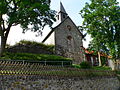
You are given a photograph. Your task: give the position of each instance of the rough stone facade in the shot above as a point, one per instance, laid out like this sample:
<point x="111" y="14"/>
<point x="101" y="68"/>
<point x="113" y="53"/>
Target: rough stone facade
<point x="68" y="41"/>
<point x="57" y="83"/>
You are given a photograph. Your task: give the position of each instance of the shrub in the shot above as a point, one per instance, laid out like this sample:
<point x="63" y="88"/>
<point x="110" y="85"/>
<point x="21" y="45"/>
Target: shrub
<point x="101" y="68"/>
<point x="75" y="66"/>
<point x="85" y="65"/>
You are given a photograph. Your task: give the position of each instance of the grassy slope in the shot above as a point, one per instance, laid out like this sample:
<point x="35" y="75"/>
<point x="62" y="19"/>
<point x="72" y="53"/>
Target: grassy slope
<point x="30" y="56"/>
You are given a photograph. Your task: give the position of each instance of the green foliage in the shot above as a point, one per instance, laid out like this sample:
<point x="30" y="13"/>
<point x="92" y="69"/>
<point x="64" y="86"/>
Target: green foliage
<point x="29" y="57"/>
<point x="76" y="66"/>
<point x="37" y="57"/>
<point x="118" y="74"/>
<point x="101" y="68"/>
<point x="102" y="21"/>
<point x="32" y="15"/>
<point x="85" y="65"/>
<point x="26" y="42"/>
<point x="33" y="12"/>
<point x="104" y="60"/>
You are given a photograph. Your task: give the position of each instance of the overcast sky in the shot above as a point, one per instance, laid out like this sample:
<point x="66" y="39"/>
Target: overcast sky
<point x="72" y="7"/>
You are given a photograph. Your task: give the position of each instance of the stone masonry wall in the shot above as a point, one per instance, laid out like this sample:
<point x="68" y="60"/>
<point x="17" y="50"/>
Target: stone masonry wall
<point x="36" y="49"/>
<point x="9" y="82"/>
<point x="68" y="42"/>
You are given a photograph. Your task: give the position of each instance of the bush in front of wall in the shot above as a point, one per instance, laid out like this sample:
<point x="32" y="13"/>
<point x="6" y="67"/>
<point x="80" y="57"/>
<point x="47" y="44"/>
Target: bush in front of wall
<point x="85" y="65"/>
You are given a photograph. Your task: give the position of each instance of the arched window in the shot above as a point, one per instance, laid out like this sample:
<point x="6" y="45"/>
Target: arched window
<point x="63" y="16"/>
<point x="69" y="27"/>
<point x="69" y="37"/>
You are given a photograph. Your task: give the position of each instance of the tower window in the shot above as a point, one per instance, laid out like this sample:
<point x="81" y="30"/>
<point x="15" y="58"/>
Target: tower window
<point x="63" y="16"/>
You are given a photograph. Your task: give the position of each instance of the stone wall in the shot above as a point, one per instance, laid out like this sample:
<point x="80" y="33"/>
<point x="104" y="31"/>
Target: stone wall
<point x="9" y="82"/>
<point x="36" y="49"/>
<point x="33" y="76"/>
<point x="68" y="41"/>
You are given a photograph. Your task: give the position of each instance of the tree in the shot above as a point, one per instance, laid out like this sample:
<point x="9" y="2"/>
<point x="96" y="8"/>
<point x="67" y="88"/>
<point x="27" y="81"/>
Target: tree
<point x="30" y="14"/>
<point x="102" y="22"/>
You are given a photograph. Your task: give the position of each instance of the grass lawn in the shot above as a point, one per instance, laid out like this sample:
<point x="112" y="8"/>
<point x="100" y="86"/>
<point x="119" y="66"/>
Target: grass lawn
<point x="30" y="56"/>
<point x="101" y="68"/>
<point x="41" y="58"/>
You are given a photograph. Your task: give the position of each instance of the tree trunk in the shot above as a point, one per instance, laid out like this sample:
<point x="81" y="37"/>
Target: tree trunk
<point x="4" y="37"/>
<point x="4" y="34"/>
<point x="3" y="43"/>
<point x="2" y="46"/>
<point x="100" y="64"/>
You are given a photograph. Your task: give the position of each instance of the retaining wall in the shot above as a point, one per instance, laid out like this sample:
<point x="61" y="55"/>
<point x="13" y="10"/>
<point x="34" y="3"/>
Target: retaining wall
<point x="9" y="82"/>
<point x="33" y="76"/>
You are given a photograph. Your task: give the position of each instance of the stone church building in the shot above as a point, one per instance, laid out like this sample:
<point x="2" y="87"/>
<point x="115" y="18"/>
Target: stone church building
<point x="67" y="37"/>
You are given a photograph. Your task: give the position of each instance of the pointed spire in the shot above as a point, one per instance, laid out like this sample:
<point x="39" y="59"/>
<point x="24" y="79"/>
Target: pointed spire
<point x="61" y="14"/>
<point x="62" y="8"/>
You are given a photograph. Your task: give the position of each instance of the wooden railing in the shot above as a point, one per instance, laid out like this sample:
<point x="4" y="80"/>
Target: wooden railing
<point x="56" y="63"/>
<point x="26" y="68"/>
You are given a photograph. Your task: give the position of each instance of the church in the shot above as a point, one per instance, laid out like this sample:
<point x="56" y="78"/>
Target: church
<point x="67" y="38"/>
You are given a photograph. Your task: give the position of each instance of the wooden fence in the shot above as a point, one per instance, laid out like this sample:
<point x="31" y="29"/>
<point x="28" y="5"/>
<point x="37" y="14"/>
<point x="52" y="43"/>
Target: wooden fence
<point x="27" y="68"/>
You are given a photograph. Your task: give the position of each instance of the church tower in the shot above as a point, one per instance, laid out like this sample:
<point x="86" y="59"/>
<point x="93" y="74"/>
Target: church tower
<point x="68" y="38"/>
<point x="61" y="14"/>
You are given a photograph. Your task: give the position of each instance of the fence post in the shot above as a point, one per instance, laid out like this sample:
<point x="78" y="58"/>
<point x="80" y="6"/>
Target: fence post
<point x="45" y="63"/>
<point x="62" y="63"/>
<point x="23" y="62"/>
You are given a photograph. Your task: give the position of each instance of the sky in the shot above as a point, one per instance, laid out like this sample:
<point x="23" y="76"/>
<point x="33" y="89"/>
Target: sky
<point x="72" y="7"/>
